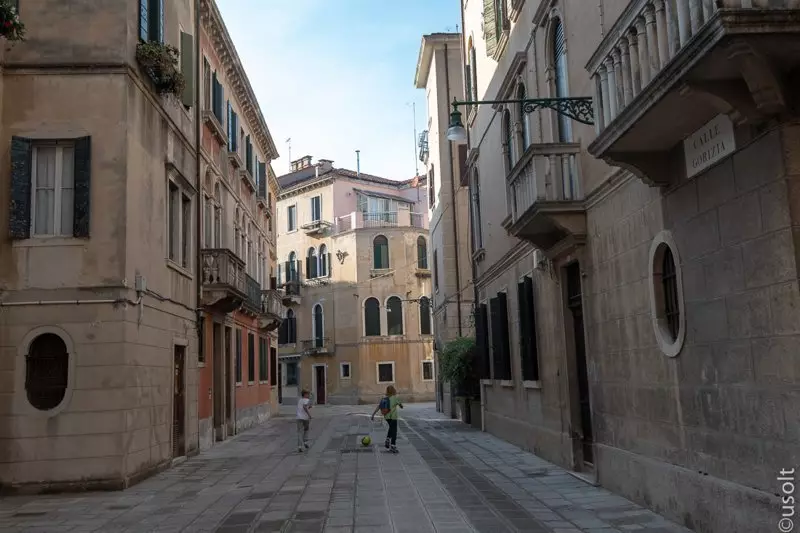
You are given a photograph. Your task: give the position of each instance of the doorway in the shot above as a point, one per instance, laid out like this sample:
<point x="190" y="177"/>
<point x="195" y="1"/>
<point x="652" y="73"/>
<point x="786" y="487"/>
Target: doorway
<point x="227" y="376"/>
<point x="320" y="379"/>
<point x="291" y="381"/>
<point x="218" y="384"/>
<point x="179" y="404"/>
<point x="575" y="306"/>
<point x="280" y="383"/>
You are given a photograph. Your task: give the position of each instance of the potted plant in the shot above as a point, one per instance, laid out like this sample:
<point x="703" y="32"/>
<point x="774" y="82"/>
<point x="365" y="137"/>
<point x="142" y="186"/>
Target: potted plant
<point x="160" y="61"/>
<point x="456" y="366"/>
<point x="10" y="26"/>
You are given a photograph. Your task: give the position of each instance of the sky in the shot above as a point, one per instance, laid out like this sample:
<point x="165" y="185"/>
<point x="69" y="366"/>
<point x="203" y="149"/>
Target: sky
<point x="337" y="76"/>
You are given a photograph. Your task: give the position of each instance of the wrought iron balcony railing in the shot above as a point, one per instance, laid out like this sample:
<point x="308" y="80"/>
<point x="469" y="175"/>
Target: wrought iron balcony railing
<point x="253" y="291"/>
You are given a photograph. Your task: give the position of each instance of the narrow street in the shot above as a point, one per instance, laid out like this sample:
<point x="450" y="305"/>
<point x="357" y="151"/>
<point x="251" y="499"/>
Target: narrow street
<point x="446" y="478"/>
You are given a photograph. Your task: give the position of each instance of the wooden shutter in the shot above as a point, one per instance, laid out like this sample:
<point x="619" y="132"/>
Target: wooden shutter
<point x="273" y="366"/>
<point x="144" y="20"/>
<point x="533" y="346"/>
<point x="187" y="68"/>
<point x="463" y="175"/>
<point x="83" y="189"/>
<point x="494" y="321"/>
<point x="503" y="334"/>
<point x="19" y="223"/>
<point x="329" y="264"/>
<point x="262" y="180"/>
<point x="308" y="267"/>
<point x="524" y="336"/>
<point x="229" y="119"/>
<point x="482" y="341"/>
<point x="489" y="27"/>
<point x="467" y="82"/>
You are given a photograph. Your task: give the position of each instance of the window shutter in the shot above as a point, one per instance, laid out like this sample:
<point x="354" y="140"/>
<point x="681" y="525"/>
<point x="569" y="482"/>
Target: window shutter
<point x="221" y="99"/>
<point x="467" y="82"/>
<point x="144" y="21"/>
<point x="489" y="27"/>
<point x="308" y="267"/>
<point x="503" y="340"/>
<point x="262" y="181"/>
<point x="533" y="348"/>
<point x="161" y="38"/>
<point x="187" y="68"/>
<point x="248" y="154"/>
<point x="19" y="223"/>
<point x="494" y="320"/>
<point x="83" y="189"/>
<point x="280" y="268"/>
<point x="329" y="265"/>
<point x="462" y="165"/>
<point x="524" y="319"/>
<point x="283" y="331"/>
<point x="299" y="271"/>
<point x="230" y="123"/>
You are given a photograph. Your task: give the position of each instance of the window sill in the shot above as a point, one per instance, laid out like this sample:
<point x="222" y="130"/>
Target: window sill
<point x="345" y="379"/>
<point x="428" y="380"/>
<point x="263" y="382"/>
<point x="38" y="242"/>
<point x="486" y="382"/>
<point x="179" y="269"/>
<point x="505" y="383"/>
<point x="535" y="385"/>
<point x="201" y="364"/>
<point x="385" y="382"/>
<point x="479" y="255"/>
<point x="238" y="383"/>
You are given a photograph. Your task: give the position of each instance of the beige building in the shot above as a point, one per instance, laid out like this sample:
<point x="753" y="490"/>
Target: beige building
<point x="353" y="268"/>
<point x="637" y="278"/>
<point x="103" y="215"/>
<point x="439" y="70"/>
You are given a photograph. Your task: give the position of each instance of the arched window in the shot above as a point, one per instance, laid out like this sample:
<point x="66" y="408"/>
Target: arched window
<point x="380" y="252"/>
<point x="372" y="317"/>
<point x="524" y="131"/>
<point x="291" y="267"/>
<point x="560" y="75"/>
<point x="288" y="332"/>
<point x="424" y="316"/>
<point x="323" y="261"/>
<point x="311" y="263"/>
<point x="422" y="253"/>
<point x="46" y="371"/>
<point x="319" y="326"/>
<point x="394" y="316"/>
<point x="508" y="140"/>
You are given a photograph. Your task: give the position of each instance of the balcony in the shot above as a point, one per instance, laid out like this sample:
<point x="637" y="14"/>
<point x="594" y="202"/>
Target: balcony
<point x="215" y="125"/>
<point x="235" y="158"/>
<point x="392" y="219"/>
<point x="271" y="310"/>
<point x="669" y="67"/>
<point x="546" y="199"/>
<point x="223" y="281"/>
<point x="316" y="228"/>
<point x="422" y="272"/>
<point x="252" y="302"/>
<point x="318" y="346"/>
<point x="248" y="177"/>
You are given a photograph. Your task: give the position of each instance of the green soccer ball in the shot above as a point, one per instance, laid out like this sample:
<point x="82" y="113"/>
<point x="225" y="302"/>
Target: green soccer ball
<point x="365" y="441"/>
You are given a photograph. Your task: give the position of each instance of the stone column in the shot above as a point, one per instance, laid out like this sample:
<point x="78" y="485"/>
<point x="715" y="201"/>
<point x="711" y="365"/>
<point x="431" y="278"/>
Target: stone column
<point x="644" y="60"/>
<point x="605" y="96"/>
<point x="653" y="60"/>
<point x="696" y="15"/>
<point x="618" y="83"/>
<point x="636" y="70"/>
<point x="612" y="88"/>
<point x="597" y="104"/>
<point x="662" y="31"/>
<point x="709" y="8"/>
<point x="627" y="82"/>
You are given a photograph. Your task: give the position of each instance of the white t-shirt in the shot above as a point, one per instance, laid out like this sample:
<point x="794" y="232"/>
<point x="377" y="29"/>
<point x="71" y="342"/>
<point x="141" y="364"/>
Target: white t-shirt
<point x="301" y="412"/>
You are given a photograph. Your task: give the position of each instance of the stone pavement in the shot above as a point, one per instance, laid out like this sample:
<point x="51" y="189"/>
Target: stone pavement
<point x="447" y="478"/>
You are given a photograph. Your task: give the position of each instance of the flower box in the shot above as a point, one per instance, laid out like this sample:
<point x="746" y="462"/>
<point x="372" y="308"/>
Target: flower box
<point x="160" y="62"/>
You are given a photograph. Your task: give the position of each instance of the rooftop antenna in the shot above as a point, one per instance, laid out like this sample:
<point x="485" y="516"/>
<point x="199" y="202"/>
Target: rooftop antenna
<point x="289" y="144"/>
<point x="416" y="158"/>
<point x="358" y="163"/>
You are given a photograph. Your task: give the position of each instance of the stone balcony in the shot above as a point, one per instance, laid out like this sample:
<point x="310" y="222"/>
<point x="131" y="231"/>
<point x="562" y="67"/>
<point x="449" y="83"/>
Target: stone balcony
<point x="315" y="228"/>
<point x="223" y="281"/>
<point x="669" y="67"/>
<point x="545" y="198"/>
<point x="390" y="219"/>
<point x="252" y="301"/>
<point x="318" y="346"/>
<point x="215" y="125"/>
<point x="271" y="310"/>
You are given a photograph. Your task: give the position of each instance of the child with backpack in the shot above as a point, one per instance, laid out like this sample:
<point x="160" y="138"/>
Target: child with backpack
<point x="388" y="408"/>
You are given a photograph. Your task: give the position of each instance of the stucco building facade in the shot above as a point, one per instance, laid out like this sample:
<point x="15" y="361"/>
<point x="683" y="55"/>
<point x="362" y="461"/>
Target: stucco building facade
<point x="439" y="73"/>
<point x="637" y="275"/>
<point x="353" y="269"/>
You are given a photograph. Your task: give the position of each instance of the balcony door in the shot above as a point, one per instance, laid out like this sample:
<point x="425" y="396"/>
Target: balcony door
<point x="316" y="209"/>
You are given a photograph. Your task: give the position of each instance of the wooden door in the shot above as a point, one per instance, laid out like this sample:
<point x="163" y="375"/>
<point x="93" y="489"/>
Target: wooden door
<point x="179" y="404"/>
<point x="319" y="382"/>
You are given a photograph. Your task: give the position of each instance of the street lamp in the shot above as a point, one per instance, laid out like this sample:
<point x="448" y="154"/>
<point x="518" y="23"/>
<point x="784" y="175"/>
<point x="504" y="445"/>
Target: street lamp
<point x="578" y="109"/>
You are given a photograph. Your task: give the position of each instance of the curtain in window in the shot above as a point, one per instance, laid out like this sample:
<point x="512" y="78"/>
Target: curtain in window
<point x="372" y="317"/>
<point x="394" y="316"/>
<point x="45" y="190"/>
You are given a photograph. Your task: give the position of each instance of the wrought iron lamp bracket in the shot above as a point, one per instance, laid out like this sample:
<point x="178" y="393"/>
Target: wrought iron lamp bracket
<point x="579" y="109"/>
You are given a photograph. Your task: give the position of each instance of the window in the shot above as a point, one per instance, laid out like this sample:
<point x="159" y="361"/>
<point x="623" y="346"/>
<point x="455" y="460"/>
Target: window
<point x="431" y="187"/>
<point x="667" y="307"/>
<point x="344" y="370"/>
<point x="560" y="69"/>
<point x="324" y="261"/>
<point x="46" y="371"/>
<point x="173" y="223"/>
<point x="394" y="316"/>
<point x="435" y="271"/>
<point x="474" y="72"/>
<point x="380" y="252"/>
<point x="318" y="326"/>
<point x="251" y="357"/>
<point x="50" y="188"/>
<point x="262" y="359"/>
<point x="291" y="218"/>
<point x="311" y="263"/>
<point x="669" y="282"/>
<point x="482" y="341"/>
<point x="151" y="20"/>
<point x="287" y="334"/>
<point x="508" y="141"/>
<point x="217" y="216"/>
<point x="273" y="366"/>
<point x="208" y="86"/>
<point x="495" y="23"/>
<point x="422" y="253"/>
<point x="291" y="374"/>
<point x="529" y="351"/>
<point x="238" y="362"/>
<point x="372" y="317"/>
<point x="424" y="316"/>
<point x="186" y="226"/>
<point x="233" y="126"/>
<point x="385" y="372"/>
<point x="217" y="97"/>
<point x="208" y="229"/>
<point x="316" y="209"/>
<point x="179" y="225"/>
<point x="477" y="232"/>
<point x="525" y="131"/>
<point x="500" y="16"/>
<point x="427" y="371"/>
<point x="501" y="355"/>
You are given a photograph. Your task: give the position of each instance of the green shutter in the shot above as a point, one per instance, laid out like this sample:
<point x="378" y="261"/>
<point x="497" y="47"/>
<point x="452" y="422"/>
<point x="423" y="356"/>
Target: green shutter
<point x="489" y="27"/>
<point x="144" y="21"/>
<point x="187" y="68"/>
<point x="262" y="181"/>
<point x="19" y="223"/>
<point x="83" y="190"/>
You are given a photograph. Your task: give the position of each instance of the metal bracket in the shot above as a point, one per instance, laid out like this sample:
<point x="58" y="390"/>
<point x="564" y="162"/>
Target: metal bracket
<point x="579" y="109"/>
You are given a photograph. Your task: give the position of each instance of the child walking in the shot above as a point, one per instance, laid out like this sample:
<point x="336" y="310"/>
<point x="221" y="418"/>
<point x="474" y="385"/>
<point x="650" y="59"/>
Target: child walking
<point x="388" y="408"/>
<point x="303" y="418"/>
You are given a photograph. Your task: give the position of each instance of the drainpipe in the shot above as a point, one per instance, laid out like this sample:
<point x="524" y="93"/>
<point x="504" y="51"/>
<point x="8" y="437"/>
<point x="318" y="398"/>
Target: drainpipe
<point x="199" y="211"/>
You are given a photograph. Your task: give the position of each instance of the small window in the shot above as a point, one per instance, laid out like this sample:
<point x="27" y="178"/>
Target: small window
<point x="251" y="358"/>
<point x="316" y="209"/>
<point x="291" y="374"/>
<point x="666" y="295"/>
<point x="422" y="253"/>
<point x="291" y="218"/>
<point x="380" y="249"/>
<point x="385" y="372"/>
<point x="46" y="371"/>
<point x="394" y="316"/>
<point x="427" y="371"/>
<point x="53" y="179"/>
<point x="424" y="316"/>
<point x="372" y="317"/>
<point x="669" y="282"/>
<point x="344" y="370"/>
<point x="173" y="222"/>
<point x="186" y="227"/>
<point x="151" y="20"/>
<point x="179" y="225"/>
<point x="435" y="271"/>
<point x="262" y="359"/>
<point x="319" y="326"/>
<point x="431" y="187"/>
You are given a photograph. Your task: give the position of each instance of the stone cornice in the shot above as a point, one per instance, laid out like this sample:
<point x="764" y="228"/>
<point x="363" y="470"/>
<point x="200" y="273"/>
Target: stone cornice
<point x="212" y="21"/>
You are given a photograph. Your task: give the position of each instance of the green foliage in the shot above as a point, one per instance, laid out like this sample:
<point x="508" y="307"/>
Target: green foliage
<point x="10" y="26"/>
<point x="455" y="360"/>
<point x="160" y="61"/>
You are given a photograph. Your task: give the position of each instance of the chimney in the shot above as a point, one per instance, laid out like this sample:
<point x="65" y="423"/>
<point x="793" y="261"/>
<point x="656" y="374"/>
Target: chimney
<point x="300" y="164"/>
<point x="358" y="163"/>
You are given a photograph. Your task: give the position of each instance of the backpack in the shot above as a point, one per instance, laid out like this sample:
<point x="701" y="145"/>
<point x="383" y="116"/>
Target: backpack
<point x="384" y="405"/>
